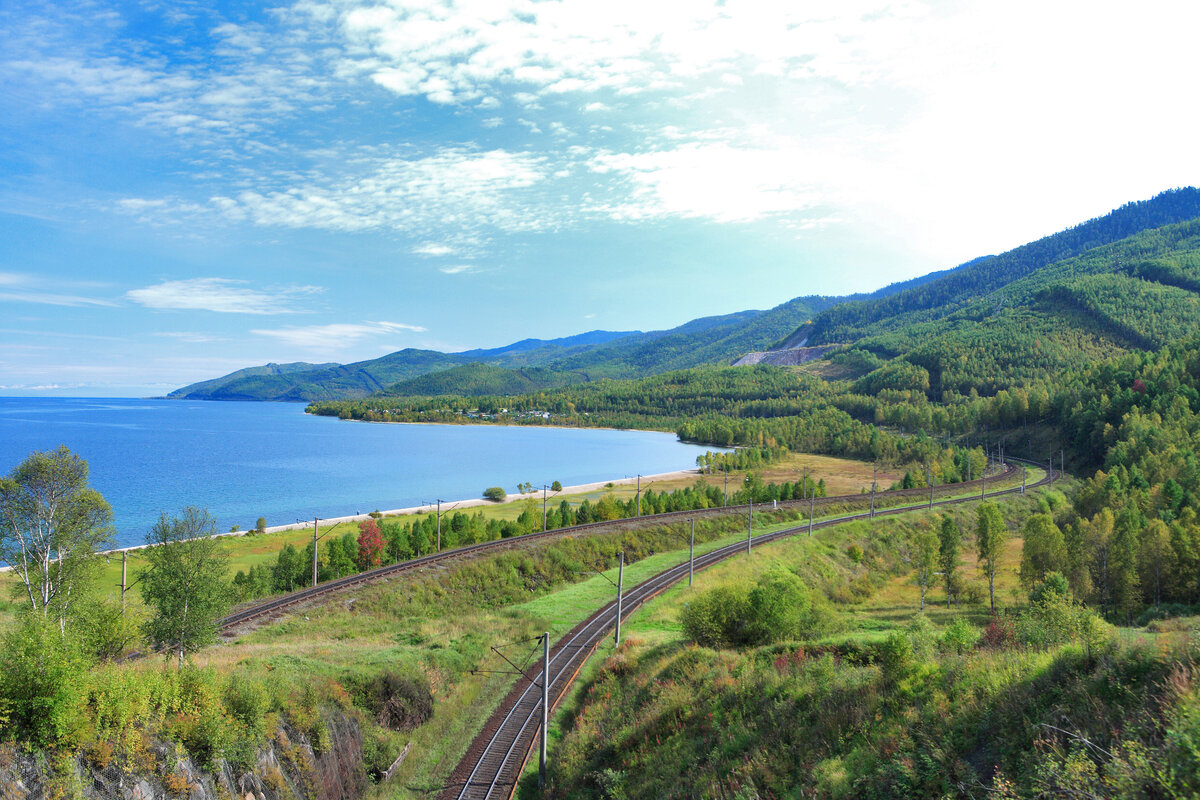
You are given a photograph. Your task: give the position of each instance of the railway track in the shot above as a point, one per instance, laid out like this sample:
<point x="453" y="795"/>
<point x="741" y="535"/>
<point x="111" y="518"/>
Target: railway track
<point x="283" y="602"/>
<point x="496" y="757"/>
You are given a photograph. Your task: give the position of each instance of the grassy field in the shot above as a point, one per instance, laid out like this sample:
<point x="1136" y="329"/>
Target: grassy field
<point x="655" y="627"/>
<point x="842" y="476"/>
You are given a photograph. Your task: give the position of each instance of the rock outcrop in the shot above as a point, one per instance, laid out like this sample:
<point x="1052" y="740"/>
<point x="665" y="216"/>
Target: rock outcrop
<point x="289" y="767"/>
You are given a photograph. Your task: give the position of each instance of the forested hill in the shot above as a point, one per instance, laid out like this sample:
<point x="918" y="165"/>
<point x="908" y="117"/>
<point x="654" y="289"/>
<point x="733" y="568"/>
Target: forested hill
<point x="598" y="354"/>
<point x="850" y="321"/>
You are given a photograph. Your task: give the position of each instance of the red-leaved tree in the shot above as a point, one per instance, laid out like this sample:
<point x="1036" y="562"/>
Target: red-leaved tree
<point x="370" y="544"/>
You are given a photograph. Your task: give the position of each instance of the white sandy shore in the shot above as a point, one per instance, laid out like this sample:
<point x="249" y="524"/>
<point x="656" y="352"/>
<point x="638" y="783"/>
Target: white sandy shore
<point x="473" y="502"/>
<point x="451" y="504"/>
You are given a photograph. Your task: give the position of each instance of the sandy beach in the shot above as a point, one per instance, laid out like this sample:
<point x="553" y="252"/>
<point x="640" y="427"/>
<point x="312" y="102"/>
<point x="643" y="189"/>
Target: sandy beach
<point x="479" y="501"/>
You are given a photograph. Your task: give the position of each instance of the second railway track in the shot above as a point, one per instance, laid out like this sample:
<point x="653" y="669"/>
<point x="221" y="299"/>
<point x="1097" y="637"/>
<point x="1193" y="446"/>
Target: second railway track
<point x="275" y="605"/>
<point x="496" y="757"/>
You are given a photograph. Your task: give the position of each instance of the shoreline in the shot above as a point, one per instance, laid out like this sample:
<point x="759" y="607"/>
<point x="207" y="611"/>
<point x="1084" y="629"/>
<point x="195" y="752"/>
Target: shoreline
<point x="431" y="508"/>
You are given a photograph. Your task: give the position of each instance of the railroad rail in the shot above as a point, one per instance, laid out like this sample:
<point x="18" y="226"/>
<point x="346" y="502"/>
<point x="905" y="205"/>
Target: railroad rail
<point x="338" y="584"/>
<point x="496" y="758"/>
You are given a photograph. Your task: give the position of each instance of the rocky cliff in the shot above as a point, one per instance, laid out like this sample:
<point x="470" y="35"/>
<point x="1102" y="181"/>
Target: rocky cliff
<point x="289" y="767"/>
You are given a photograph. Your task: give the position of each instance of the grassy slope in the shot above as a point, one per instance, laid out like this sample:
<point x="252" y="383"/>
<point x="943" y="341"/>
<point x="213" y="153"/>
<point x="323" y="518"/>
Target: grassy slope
<point x="667" y="719"/>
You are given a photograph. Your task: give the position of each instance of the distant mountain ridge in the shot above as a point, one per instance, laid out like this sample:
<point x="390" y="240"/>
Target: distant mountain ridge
<point x="1063" y="296"/>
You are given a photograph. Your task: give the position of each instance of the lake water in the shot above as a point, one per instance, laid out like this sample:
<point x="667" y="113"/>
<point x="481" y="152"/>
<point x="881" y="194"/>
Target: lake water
<point x="246" y="460"/>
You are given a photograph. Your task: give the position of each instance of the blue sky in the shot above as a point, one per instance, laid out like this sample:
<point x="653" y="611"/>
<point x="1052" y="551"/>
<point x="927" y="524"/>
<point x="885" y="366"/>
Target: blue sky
<point x="189" y="188"/>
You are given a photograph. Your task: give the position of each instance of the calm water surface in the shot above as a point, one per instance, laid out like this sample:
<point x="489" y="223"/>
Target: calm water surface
<point x="246" y="460"/>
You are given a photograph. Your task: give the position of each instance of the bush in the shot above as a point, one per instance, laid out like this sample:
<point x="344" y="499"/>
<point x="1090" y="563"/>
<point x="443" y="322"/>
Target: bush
<point x="556" y="487"/>
<point x="495" y="493"/>
<point x="783" y="607"/>
<point x="399" y="702"/>
<point x="40" y="678"/>
<point x="896" y="657"/>
<point x="249" y="701"/>
<point x="261" y="525"/>
<point x="717" y="617"/>
<point x="779" y="607"/>
<point x="960" y="637"/>
<point x="104" y="630"/>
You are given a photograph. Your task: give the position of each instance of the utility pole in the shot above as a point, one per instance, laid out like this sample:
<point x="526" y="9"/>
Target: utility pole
<point x="929" y="480"/>
<point x="749" y="525"/>
<point x="620" y="585"/>
<point x="545" y="707"/>
<point x="544" y="489"/>
<point x="692" y="552"/>
<point x="812" y="500"/>
<point x="1022" y="480"/>
<point x="639" y="495"/>
<point x="726" y="485"/>
<point x="983" y="486"/>
<point x="804" y="485"/>
<point x="439" y="525"/>
<point x="873" y="468"/>
<point x="315" y="525"/>
<point x="124" y="577"/>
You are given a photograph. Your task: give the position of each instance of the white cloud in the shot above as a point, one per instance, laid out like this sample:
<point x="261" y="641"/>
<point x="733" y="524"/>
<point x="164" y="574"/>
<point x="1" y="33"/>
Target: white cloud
<point x="433" y="249"/>
<point x="715" y="181"/>
<point x="27" y="288"/>
<point x="219" y="294"/>
<point x="192" y="337"/>
<point x="335" y="336"/>
<point x="455" y="189"/>
<point x="456" y="269"/>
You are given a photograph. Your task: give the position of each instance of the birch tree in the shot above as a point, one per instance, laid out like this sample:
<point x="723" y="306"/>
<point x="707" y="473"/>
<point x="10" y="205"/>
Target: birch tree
<point x="51" y="525"/>
<point x="186" y="582"/>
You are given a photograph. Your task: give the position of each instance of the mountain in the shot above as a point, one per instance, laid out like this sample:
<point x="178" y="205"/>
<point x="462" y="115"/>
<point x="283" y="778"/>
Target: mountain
<point x="586" y="356"/>
<point x="307" y="382"/>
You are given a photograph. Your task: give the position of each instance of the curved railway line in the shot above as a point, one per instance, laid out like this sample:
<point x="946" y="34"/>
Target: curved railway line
<point x="496" y="758"/>
<point x="285" y="601"/>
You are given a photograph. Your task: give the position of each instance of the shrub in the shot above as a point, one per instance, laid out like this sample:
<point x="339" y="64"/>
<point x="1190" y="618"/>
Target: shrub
<point x="783" y="607"/>
<point x="896" y="657"/>
<point x="960" y="636"/>
<point x="261" y="525"/>
<point x="249" y="701"/>
<point x="556" y="487"/>
<point x="399" y="702"/>
<point x="495" y="493"/>
<point x="717" y="617"/>
<point x="40" y="677"/>
<point x="104" y="630"/>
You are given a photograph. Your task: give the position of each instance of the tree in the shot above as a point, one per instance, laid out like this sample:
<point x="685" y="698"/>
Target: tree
<point x="261" y="525"/>
<point x="185" y="581"/>
<point x="51" y="524"/>
<point x="1044" y="550"/>
<point x="370" y="544"/>
<point x="495" y="493"/>
<point x="287" y="567"/>
<point x="926" y="552"/>
<point x="949" y="541"/>
<point x="556" y="487"/>
<point x="989" y="542"/>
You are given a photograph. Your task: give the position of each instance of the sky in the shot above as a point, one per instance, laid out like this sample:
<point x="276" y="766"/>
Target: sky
<point x="189" y="188"/>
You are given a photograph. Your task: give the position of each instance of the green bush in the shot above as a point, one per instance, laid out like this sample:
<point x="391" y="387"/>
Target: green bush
<point x="896" y="657"/>
<point x="717" y="617"/>
<point x="249" y="701"/>
<point x="105" y="630"/>
<point x="783" y="607"/>
<point x="41" y="674"/>
<point x="960" y="637"/>
<point x="495" y="493"/>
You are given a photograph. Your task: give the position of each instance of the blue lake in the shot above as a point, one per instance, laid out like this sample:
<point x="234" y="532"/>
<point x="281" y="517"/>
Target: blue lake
<point x="246" y="460"/>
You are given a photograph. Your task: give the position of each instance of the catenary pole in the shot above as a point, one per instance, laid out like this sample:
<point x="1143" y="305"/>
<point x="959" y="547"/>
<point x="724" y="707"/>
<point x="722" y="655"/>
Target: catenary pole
<point x="620" y="586"/>
<point x="315" y="526"/>
<point x="692" y="552"/>
<point x="545" y="707"/>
